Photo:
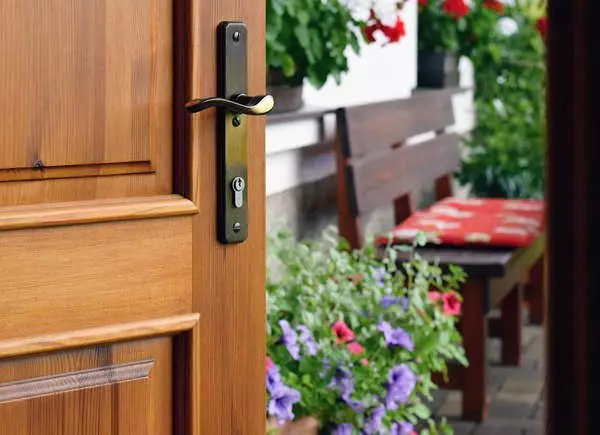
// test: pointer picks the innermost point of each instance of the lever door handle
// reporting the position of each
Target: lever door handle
(242, 104)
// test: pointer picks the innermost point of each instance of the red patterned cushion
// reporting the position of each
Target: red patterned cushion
(488, 222)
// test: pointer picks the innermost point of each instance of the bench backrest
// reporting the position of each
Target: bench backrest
(375, 166)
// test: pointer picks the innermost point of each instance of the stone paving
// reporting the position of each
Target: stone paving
(515, 393)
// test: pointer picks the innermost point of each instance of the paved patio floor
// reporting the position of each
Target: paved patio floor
(515, 393)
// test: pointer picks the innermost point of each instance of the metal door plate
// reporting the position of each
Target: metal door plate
(232, 141)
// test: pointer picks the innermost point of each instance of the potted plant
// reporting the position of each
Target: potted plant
(439, 24)
(353, 338)
(309, 39)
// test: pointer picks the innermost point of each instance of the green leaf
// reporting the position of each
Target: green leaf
(420, 239)
(355, 43)
(421, 411)
(288, 65)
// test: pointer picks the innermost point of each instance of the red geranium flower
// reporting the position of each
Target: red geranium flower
(395, 32)
(423, 2)
(370, 32)
(456, 8)
(452, 305)
(343, 332)
(542, 26)
(494, 5)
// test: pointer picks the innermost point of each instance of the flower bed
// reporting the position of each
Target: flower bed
(353, 338)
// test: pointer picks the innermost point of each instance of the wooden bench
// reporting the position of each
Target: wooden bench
(375, 167)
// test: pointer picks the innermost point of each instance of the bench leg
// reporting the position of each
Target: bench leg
(511, 317)
(473, 326)
(536, 293)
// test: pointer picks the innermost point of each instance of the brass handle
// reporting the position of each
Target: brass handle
(243, 104)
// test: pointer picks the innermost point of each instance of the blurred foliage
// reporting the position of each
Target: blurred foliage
(439, 27)
(506, 150)
(308, 39)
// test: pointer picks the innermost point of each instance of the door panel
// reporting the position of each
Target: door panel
(91, 275)
(105, 389)
(87, 93)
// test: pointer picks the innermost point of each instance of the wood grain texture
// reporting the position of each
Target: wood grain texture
(377, 127)
(141, 406)
(73, 381)
(94, 275)
(103, 108)
(380, 179)
(79, 212)
(105, 334)
(229, 281)
(76, 171)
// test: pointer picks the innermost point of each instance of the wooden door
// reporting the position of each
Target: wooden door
(120, 312)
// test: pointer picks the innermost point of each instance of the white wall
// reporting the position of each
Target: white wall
(379, 73)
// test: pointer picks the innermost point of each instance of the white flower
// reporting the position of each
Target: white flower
(386, 10)
(507, 26)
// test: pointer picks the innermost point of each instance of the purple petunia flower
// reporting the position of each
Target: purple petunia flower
(306, 336)
(290, 339)
(283, 399)
(343, 382)
(273, 378)
(401, 383)
(401, 428)
(387, 301)
(343, 429)
(404, 303)
(356, 405)
(373, 424)
(379, 275)
(395, 336)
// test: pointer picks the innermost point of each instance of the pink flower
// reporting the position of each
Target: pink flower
(452, 305)
(355, 348)
(343, 333)
(364, 361)
(269, 363)
(434, 296)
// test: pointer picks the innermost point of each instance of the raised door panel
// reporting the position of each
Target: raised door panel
(87, 94)
(123, 388)
(73, 277)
